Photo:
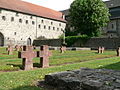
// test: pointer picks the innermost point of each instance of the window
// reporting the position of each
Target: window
(59, 24)
(33, 22)
(39, 26)
(42, 21)
(112, 26)
(20, 20)
(57, 29)
(21, 38)
(44, 27)
(31, 17)
(15, 33)
(3, 17)
(0, 11)
(17, 14)
(51, 23)
(26, 21)
(49, 27)
(12, 19)
(53, 28)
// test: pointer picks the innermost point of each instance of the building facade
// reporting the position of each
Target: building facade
(22, 22)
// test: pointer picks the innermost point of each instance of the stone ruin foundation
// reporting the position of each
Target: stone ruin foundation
(85, 79)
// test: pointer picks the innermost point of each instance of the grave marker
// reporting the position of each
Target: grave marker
(101, 49)
(44, 54)
(118, 51)
(10, 49)
(62, 49)
(27, 55)
(17, 48)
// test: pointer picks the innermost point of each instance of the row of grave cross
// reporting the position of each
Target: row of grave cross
(27, 54)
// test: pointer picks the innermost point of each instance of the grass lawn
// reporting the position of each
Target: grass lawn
(26, 80)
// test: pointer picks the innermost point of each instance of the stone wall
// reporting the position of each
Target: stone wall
(50, 42)
(85, 79)
(108, 43)
(18, 27)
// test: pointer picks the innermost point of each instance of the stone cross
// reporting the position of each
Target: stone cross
(17, 48)
(101, 49)
(118, 51)
(27, 55)
(10, 49)
(44, 56)
(62, 49)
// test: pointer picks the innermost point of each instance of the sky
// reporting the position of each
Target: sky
(57, 5)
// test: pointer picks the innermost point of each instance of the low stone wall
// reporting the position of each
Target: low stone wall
(50, 42)
(108, 43)
(85, 79)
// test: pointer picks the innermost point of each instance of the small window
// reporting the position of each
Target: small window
(112, 26)
(3, 17)
(15, 33)
(21, 38)
(12, 19)
(42, 21)
(53, 28)
(0, 11)
(49, 27)
(31, 17)
(26, 21)
(57, 29)
(17, 14)
(39, 26)
(20, 20)
(33, 22)
(59, 24)
(44, 27)
(51, 23)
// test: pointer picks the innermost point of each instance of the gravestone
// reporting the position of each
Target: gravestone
(62, 49)
(44, 54)
(118, 51)
(101, 49)
(21, 48)
(10, 49)
(27, 55)
(17, 48)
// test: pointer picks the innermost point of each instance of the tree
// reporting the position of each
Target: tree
(89, 16)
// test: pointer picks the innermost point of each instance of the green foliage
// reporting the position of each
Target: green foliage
(70, 40)
(88, 16)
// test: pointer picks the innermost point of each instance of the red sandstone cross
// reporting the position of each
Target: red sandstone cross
(62, 49)
(44, 56)
(10, 50)
(17, 48)
(27, 54)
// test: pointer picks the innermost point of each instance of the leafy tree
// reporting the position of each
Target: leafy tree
(89, 16)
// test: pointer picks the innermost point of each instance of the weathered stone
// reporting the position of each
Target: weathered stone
(10, 49)
(44, 56)
(101, 49)
(118, 51)
(62, 49)
(27, 54)
(85, 79)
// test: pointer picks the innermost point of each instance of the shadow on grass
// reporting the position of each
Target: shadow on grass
(115, 66)
(36, 65)
(28, 88)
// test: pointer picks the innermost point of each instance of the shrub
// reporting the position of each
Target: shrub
(70, 40)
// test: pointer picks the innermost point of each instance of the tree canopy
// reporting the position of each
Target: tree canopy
(89, 16)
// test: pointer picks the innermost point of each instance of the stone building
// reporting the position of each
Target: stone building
(22, 22)
(113, 27)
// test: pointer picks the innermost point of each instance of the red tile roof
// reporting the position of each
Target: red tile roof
(30, 8)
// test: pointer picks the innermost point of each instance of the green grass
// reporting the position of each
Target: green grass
(26, 80)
